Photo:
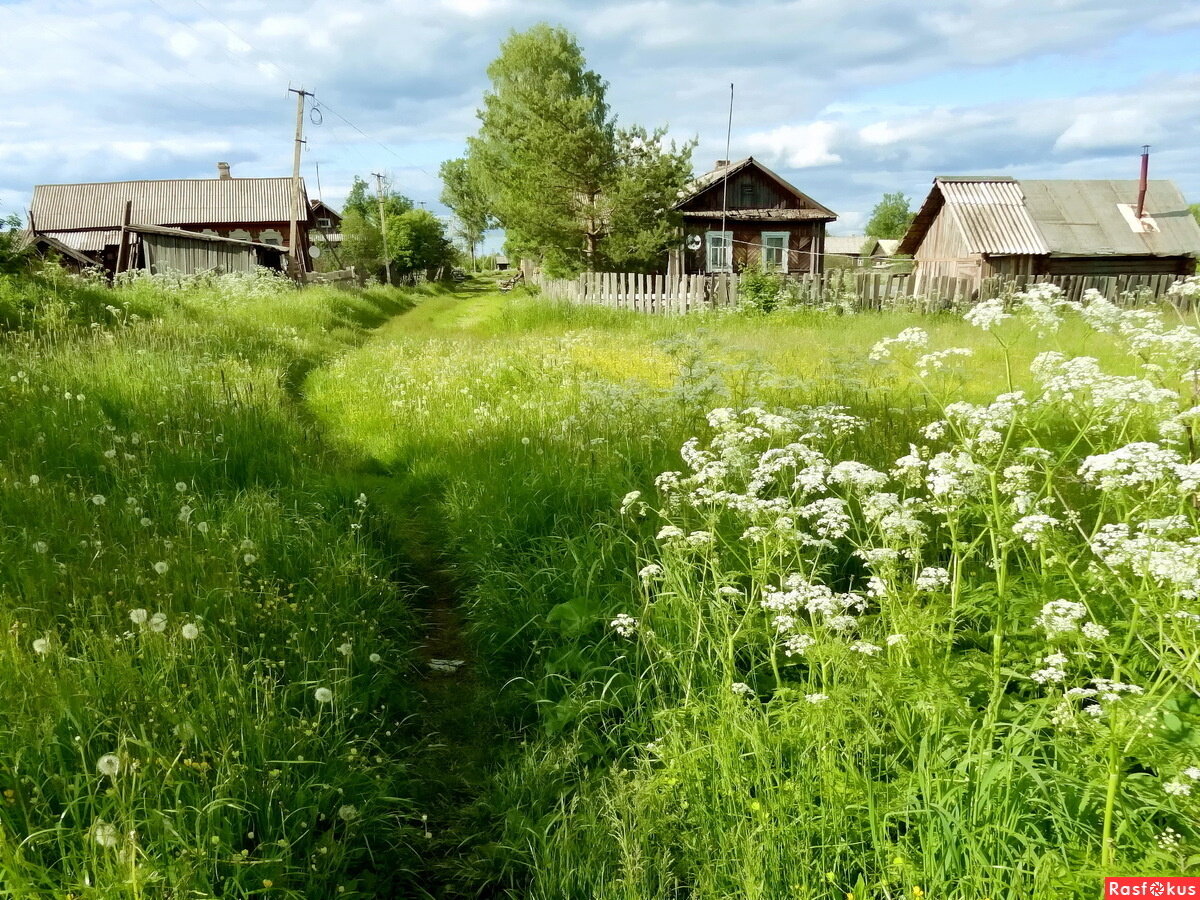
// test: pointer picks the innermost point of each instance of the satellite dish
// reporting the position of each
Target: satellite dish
(314, 252)
(694, 242)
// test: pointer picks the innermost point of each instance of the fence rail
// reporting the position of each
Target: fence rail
(846, 288)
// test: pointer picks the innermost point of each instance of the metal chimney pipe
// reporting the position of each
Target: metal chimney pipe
(1141, 204)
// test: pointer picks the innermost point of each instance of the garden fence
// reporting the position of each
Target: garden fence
(838, 287)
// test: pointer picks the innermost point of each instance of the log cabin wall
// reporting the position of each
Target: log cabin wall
(806, 244)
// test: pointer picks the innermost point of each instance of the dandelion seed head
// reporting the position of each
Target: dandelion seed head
(323, 695)
(41, 646)
(189, 632)
(138, 616)
(105, 834)
(161, 567)
(109, 765)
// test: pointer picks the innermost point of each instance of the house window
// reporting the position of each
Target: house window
(325, 223)
(718, 245)
(775, 250)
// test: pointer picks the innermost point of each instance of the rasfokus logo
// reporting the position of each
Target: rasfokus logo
(1151, 887)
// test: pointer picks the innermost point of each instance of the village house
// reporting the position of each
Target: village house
(742, 215)
(185, 225)
(975, 227)
(858, 249)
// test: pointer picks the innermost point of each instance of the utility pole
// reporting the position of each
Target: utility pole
(296, 258)
(387, 260)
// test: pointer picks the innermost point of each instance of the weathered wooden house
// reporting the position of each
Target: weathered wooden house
(858, 249)
(742, 215)
(976, 227)
(113, 223)
(326, 224)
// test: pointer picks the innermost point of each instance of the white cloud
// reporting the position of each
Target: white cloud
(795, 146)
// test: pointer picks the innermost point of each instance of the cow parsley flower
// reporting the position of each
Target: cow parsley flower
(624, 624)
(1060, 617)
(797, 644)
(742, 689)
(931, 578)
(650, 572)
(816, 699)
(866, 648)
(987, 314)
(1177, 788)
(1054, 671)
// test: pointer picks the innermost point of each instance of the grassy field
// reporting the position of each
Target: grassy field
(881, 634)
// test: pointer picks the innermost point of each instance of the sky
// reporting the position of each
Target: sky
(845, 100)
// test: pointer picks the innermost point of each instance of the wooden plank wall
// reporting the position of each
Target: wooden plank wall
(847, 289)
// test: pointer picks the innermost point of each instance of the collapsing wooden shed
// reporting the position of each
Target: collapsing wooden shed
(978, 227)
(165, 250)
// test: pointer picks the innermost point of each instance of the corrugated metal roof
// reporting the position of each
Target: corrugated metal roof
(182, 234)
(992, 216)
(1001, 216)
(59, 207)
(1083, 218)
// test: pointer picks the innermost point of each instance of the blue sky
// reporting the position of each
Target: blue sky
(845, 100)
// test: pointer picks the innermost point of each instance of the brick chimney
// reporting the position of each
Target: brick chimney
(721, 163)
(223, 171)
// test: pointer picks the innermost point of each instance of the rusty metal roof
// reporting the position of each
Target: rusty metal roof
(199, 201)
(999, 216)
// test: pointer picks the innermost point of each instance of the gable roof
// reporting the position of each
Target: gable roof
(999, 215)
(703, 182)
(182, 201)
(849, 244)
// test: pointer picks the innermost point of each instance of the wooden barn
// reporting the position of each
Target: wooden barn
(767, 222)
(108, 222)
(976, 227)
(858, 250)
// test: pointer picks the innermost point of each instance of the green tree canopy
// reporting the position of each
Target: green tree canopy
(464, 196)
(1195, 208)
(362, 239)
(891, 217)
(417, 241)
(560, 178)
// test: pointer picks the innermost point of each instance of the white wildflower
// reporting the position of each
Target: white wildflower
(624, 624)
(138, 616)
(109, 764)
(323, 695)
(189, 632)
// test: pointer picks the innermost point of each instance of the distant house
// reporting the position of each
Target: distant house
(860, 249)
(979, 226)
(501, 262)
(326, 225)
(250, 216)
(767, 222)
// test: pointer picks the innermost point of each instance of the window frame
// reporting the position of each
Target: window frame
(783, 251)
(710, 238)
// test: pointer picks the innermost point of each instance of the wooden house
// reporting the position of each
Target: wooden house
(101, 221)
(976, 227)
(742, 215)
(858, 250)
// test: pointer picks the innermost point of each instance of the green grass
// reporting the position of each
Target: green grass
(440, 474)
(520, 424)
(161, 465)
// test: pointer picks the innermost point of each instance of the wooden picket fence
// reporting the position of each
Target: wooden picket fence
(845, 288)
